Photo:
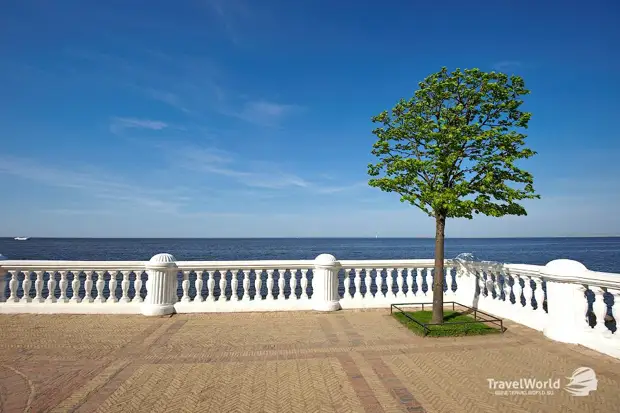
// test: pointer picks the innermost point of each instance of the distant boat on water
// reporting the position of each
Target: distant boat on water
(21, 238)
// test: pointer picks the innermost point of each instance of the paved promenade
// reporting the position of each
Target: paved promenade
(349, 361)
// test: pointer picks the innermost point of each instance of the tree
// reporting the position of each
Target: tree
(452, 151)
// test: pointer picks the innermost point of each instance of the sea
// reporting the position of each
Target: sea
(598, 254)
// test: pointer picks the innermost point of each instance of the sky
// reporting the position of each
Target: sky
(238, 118)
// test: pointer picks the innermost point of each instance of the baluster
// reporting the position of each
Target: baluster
(51, 287)
(539, 294)
(409, 274)
(367, 282)
(585, 307)
(3, 274)
(137, 286)
(258, 284)
(478, 286)
(600, 311)
(88, 287)
(293, 284)
(185, 287)
(419, 281)
(75, 286)
(489, 288)
(38, 287)
(26, 287)
(281, 284)
(483, 283)
(381, 281)
(63, 284)
(199, 283)
(615, 311)
(353, 283)
(246, 285)
(504, 287)
(125, 287)
(357, 283)
(527, 293)
(400, 280)
(270, 284)
(99, 285)
(346, 277)
(451, 281)
(13, 283)
(304, 284)
(497, 287)
(223, 283)
(112, 287)
(518, 290)
(211, 285)
(234, 285)
(429, 280)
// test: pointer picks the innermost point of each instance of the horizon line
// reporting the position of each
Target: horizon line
(290, 237)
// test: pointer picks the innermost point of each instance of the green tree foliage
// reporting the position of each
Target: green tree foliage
(452, 151)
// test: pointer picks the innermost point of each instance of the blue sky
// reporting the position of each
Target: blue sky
(236, 118)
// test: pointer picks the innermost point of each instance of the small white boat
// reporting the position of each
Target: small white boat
(21, 238)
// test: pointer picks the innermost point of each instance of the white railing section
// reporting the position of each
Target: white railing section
(563, 299)
(76, 286)
(367, 284)
(220, 286)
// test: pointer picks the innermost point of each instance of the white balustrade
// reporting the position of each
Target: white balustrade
(549, 298)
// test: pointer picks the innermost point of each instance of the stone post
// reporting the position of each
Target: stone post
(2, 280)
(161, 286)
(565, 300)
(325, 283)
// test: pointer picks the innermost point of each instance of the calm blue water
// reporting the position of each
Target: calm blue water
(601, 254)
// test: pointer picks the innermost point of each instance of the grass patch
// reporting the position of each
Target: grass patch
(473, 328)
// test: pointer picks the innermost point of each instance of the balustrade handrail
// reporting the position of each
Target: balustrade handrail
(69, 265)
(390, 263)
(208, 265)
(586, 277)
(590, 278)
(245, 265)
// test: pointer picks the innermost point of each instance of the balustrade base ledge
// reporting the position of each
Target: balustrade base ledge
(560, 333)
(70, 308)
(157, 309)
(326, 306)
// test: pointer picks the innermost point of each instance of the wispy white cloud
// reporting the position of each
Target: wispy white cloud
(325, 189)
(169, 98)
(77, 211)
(254, 173)
(118, 125)
(219, 162)
(114, 191)
(233, 15)
(267, 113)
(508, 65)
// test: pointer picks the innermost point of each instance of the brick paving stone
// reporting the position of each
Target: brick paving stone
(346, 361)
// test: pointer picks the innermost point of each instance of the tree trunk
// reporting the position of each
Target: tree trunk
(440, 225)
